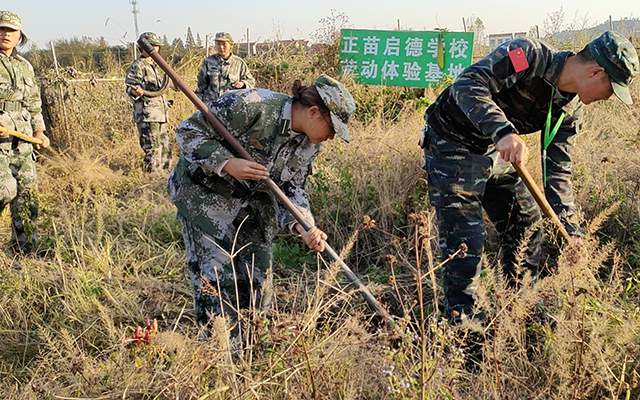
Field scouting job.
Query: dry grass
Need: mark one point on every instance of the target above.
(113, 258)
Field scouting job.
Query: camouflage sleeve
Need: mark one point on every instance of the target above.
(559, 190)
(135, 77)
(201, 145)
(474, 88)
(295, 191)
(202, 80)
(298, 169)
(246, 77)
(34, 103)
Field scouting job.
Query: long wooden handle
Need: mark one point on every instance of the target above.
(280, 195)
(540, 198)
(26, 138)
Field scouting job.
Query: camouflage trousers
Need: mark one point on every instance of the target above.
(463, 184)
(154, 140)
(233, 274)
(18, 190)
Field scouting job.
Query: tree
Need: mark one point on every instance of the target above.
(554, 23)
(190, 42)
(198, 40)
(330, 27)
(476, 25)
(533, 32)
(165, 41)
(178, 45)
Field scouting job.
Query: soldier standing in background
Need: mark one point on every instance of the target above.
(144, 82)
(20, 110)
(222, 71)
(471, 137)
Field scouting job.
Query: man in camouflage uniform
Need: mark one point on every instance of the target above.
(20, 110)
(222, 71)
(223, 216)
(150, 110)
(472, 133)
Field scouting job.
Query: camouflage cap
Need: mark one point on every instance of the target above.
(11, 20)
(339, 102)
(224, 37)
(619, 58)
(152, 38)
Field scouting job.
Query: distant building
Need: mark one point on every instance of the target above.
(496, 39)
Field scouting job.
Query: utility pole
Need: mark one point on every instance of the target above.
(135, 11)
(248, 44)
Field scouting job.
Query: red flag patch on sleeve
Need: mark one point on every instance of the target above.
(518, 60)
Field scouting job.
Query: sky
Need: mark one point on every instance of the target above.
(286, 19)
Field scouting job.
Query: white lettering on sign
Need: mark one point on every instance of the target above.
(433, 73)
(371, 45)
(458, 48)
(350, 44)
(392, 47)
(369, 69)
(413, 47)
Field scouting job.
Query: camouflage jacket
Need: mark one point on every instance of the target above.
(20, 103)
(489, 100)
(261, 120)
(216, 76)
(145, 72)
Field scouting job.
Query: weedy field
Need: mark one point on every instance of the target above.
(112, 258)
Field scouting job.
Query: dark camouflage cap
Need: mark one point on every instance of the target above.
(339, 102)
(224, 37)
(152, 38)
(11, 20)
(619, 58)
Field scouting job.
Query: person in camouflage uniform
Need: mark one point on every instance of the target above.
(229, 217)
(222, 71)
(20, 110)
(471, 137)
(150, 112)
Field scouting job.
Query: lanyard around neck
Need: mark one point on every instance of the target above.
(549, 135)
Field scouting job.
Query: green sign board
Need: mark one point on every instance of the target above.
(404, 58)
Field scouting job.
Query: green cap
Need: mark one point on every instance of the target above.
(152, 38)
(224, 37)
(11, 20)
(619, 58)
(339, 102)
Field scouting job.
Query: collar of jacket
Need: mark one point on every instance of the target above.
(558, 60)
(223, 61)
(285, 118)
(14, 54)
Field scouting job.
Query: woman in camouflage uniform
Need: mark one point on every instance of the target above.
(20, 110)
(229, 217)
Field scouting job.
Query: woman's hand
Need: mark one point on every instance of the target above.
(242, 170)
(314, 238)
(137, 91)
(45, 140)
